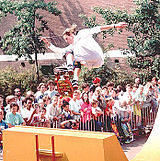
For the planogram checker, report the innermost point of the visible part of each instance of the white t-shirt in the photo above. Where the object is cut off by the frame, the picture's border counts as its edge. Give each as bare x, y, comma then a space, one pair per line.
85, 48
27, 113
95, 110
75, 106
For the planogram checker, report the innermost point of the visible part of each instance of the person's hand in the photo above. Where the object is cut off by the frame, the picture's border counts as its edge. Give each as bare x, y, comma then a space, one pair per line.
121, 25
44, 39
55, 118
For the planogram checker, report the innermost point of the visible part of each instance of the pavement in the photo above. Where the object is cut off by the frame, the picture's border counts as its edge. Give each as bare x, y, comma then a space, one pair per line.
134, 147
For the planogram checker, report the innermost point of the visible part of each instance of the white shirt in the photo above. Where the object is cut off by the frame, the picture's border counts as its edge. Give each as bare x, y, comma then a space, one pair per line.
95, 110
27, 113
85, 48
75, 106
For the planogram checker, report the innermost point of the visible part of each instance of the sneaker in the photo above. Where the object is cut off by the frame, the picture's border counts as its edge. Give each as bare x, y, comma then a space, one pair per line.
75, 84
127, 141
70, 69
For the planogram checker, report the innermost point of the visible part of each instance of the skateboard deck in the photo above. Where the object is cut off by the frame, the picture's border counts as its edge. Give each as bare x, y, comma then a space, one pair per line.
63, 82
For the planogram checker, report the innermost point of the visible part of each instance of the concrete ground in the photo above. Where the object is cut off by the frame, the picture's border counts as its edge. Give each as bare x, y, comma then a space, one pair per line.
135, 147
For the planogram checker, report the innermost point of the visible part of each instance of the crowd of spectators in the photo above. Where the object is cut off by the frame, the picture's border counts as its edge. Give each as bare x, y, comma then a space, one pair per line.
94, 108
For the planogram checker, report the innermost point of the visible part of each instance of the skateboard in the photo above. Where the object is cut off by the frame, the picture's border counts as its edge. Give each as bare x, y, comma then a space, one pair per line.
115, 129
63, 82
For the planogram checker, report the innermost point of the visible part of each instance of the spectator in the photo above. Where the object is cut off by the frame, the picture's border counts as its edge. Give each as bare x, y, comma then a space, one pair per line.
53, 112
137, 81
139, 99
51, 89
31, 95
28, 112
125, 121
41, 90
18, 97
85, 87
74, 106
66, 112
110, 86
158, 91
97, 112
3, 125
96, 83
43, 121
119, 92
9, 100
14, 118
70, 124
46, 101
151, 96
86, 111
1, 105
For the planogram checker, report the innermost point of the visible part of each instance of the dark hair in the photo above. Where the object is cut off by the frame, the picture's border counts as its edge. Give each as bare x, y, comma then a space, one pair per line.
87, 97
94, 102
1, 96
110, 84
44, 109
13, 104
65, 103
84, 85
28, 98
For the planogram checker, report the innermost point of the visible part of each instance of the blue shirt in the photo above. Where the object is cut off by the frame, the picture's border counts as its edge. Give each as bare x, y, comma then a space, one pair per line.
14, 119
3, 125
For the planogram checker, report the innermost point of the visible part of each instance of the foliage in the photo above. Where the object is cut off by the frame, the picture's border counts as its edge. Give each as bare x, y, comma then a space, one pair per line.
144, 27
23, 38
106, 74
24, 79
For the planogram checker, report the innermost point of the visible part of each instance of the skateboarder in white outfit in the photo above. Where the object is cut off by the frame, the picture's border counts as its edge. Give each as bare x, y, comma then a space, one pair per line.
82, 49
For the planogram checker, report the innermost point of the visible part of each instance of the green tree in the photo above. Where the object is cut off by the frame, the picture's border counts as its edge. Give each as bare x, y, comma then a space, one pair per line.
106, 74
144, 27
23, 38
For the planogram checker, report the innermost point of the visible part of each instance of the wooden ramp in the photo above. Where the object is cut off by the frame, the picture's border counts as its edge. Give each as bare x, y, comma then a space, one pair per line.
19, 144
151, 149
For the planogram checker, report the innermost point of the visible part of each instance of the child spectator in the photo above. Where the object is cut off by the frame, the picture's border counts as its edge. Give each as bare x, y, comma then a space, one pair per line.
74, 106
66, 112
86, 111
43, 121
97, 112
125, 120
53, 112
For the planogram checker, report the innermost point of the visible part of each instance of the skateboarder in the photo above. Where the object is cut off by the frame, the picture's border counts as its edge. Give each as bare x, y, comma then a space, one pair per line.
82, 49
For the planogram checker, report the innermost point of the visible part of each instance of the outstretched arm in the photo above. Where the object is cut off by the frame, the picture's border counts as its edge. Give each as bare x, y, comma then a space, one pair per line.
52, 47
118, 26
44, 39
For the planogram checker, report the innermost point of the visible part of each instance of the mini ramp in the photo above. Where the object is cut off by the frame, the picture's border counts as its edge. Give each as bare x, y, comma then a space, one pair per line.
151, 149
